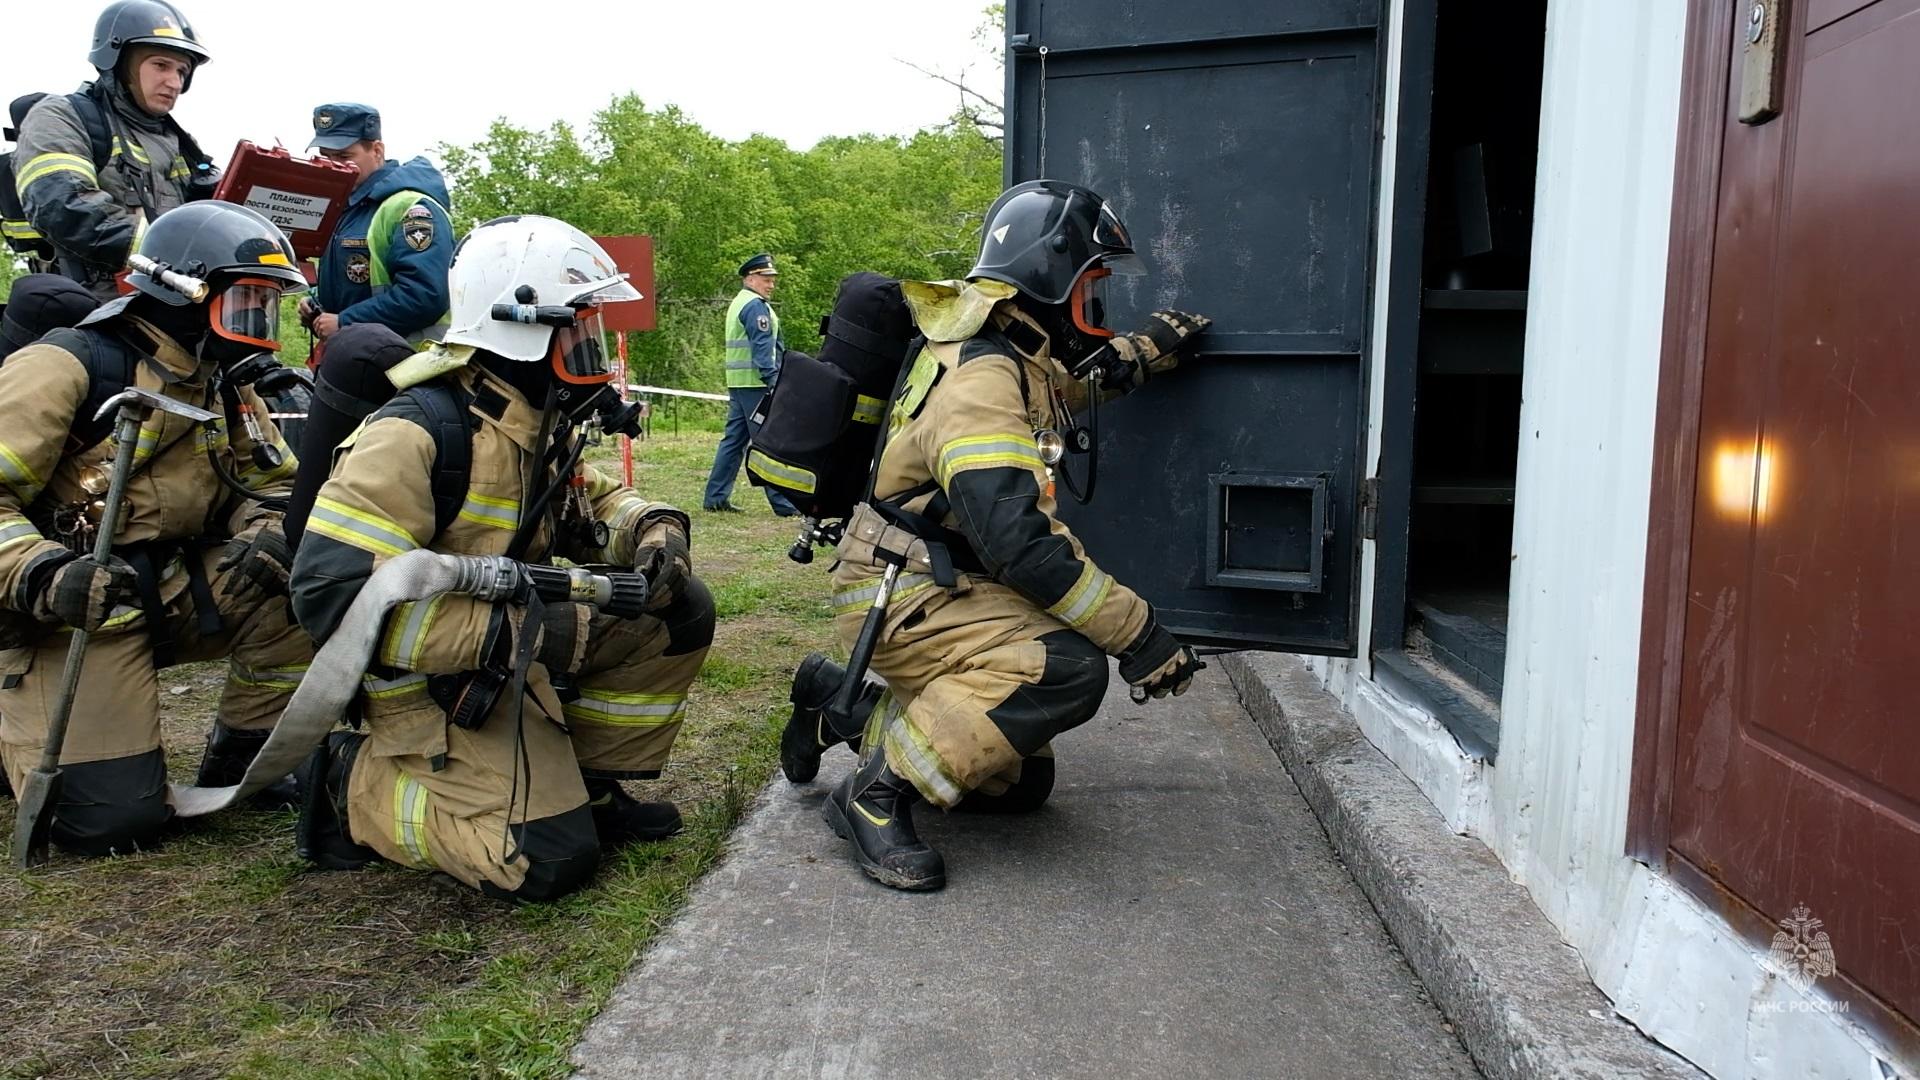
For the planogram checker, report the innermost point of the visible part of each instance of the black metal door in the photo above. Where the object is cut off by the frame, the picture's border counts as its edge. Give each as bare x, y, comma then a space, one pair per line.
1236, 141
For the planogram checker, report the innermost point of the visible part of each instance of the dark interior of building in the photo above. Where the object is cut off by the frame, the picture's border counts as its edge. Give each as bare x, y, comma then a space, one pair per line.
1488, 68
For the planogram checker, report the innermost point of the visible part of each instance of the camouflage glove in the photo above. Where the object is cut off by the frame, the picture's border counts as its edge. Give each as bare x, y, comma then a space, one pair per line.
563, 637
1157, 664
662, 553
261, 563
81, 593
1155, 349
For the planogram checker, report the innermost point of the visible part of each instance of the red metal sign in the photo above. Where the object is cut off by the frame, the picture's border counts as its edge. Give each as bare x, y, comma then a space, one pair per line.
634, 254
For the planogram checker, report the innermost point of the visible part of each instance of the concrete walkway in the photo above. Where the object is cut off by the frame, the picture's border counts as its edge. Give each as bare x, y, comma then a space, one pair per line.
1174, 911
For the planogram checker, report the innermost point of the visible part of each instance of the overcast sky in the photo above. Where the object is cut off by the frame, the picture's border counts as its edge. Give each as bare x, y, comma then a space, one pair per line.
442, 72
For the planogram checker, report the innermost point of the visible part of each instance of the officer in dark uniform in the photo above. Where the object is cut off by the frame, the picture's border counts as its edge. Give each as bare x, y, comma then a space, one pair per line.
387, 260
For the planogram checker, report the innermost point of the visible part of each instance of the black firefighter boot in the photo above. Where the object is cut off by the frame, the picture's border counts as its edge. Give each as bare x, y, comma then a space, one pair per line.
229, 752
873, 807
620, 818
811, 730
321, 834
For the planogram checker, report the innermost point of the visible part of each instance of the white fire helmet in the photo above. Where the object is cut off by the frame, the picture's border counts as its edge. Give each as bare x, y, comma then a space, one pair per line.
510, 277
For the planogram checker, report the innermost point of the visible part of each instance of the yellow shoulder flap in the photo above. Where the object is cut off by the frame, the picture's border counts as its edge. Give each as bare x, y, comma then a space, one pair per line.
430, 363
953, 310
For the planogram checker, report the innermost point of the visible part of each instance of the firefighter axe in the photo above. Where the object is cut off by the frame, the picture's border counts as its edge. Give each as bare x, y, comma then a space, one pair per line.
33, 823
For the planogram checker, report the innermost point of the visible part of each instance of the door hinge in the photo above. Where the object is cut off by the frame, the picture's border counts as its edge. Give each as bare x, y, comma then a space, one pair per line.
1369, 507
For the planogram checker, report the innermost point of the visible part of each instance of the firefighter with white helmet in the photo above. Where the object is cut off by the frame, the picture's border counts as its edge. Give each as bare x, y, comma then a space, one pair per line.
494, 740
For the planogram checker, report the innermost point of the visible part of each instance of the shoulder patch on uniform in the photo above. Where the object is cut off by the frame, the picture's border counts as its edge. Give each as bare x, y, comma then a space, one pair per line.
763, 323
417, 210
417, 232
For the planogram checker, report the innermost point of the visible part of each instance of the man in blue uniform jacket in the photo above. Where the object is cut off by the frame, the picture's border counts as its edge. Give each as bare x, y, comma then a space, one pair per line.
387, 260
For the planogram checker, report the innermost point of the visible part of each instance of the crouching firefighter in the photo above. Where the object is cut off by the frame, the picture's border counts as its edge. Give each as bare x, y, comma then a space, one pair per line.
989, 624
198, 568
494, 736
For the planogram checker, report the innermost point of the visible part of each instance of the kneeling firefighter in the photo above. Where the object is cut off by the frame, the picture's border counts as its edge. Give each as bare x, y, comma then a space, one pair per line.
495, 735
198, 567
999, 627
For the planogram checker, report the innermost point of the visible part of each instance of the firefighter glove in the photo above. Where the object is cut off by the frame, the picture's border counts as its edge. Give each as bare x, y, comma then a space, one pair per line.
1157, 663
661, 553
1154, 349
258, 564
563, 637
81, 592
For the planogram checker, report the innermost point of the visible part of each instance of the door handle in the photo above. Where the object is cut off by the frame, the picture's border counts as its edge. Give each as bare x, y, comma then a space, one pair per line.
1762, 64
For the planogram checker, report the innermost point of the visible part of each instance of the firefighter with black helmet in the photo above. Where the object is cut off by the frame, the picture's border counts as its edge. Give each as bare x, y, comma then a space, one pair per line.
94, 168
199, 568
496, 736
997, 641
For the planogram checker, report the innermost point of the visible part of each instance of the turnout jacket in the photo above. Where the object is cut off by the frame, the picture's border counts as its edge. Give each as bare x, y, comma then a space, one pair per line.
378, 503
174, 493
93, 216
962, 453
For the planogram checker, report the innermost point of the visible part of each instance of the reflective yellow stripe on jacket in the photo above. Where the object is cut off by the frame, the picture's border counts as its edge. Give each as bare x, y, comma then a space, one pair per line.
42, 166
359, 528
988, 451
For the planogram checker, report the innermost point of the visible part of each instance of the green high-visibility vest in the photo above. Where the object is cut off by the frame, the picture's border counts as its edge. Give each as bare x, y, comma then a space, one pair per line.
740, 369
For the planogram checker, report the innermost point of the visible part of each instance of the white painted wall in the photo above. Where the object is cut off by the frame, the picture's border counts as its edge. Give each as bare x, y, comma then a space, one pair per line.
1554, 808
1595, 305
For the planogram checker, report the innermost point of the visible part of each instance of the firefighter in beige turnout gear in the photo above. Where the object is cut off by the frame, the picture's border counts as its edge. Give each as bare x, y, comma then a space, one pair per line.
199, 569
981, 674
517, 800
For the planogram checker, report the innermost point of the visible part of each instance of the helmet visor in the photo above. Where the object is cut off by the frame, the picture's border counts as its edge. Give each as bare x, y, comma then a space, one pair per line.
1109, 233
580, 350
248, 311
1088, 302
589, 278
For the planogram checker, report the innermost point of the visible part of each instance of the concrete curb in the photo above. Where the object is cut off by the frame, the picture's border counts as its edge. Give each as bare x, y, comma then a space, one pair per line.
1520, 998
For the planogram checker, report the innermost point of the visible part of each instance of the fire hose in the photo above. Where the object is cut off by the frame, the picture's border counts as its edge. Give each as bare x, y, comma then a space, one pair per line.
334, 676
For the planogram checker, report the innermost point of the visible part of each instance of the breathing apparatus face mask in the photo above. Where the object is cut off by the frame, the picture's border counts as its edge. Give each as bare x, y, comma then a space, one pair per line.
578, 359
579, 353
244, 328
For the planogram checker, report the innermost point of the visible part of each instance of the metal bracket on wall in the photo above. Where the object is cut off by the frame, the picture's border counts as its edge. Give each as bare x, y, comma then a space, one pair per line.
1369, 507
1763, 34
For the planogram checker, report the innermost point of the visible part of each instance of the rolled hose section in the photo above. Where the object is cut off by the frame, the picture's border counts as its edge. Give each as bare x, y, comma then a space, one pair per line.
334, 676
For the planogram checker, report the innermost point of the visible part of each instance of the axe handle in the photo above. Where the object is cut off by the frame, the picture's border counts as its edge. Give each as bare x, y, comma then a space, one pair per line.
863, 646
127, 438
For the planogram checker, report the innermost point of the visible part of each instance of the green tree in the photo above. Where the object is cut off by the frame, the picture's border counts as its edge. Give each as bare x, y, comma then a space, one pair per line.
909, 207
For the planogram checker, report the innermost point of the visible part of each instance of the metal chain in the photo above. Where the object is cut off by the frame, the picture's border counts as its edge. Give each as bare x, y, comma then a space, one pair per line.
1043, 110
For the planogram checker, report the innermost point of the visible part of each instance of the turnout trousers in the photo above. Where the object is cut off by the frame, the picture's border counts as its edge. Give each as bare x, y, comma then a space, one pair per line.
502, 807
114, 789
976, 683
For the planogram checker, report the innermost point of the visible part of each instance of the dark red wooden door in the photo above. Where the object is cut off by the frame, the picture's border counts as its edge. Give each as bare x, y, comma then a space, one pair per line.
1797, 779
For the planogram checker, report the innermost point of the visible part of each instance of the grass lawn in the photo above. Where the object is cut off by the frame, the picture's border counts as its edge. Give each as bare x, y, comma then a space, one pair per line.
223, 954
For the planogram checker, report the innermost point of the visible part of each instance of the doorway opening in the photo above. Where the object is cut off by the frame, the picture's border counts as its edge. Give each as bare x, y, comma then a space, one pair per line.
1488, 70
